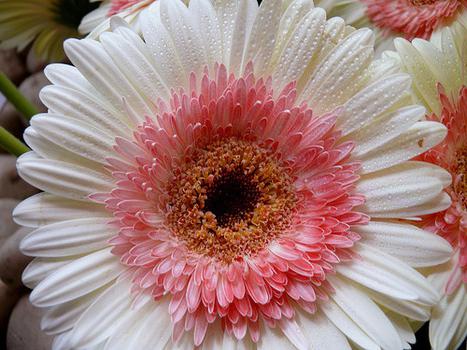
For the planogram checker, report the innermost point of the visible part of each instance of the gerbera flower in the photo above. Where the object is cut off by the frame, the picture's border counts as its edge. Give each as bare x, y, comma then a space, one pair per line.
98, 20
235, 174
438, 70
397, 18
45, 23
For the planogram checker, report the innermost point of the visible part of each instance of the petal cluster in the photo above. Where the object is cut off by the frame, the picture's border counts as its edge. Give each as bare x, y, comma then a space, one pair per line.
412, 19
134, 115
290, 266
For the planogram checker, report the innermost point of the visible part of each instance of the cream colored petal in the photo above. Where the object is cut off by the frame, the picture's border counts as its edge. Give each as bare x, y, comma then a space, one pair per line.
62, 179
408, 243
77, 278
44, 209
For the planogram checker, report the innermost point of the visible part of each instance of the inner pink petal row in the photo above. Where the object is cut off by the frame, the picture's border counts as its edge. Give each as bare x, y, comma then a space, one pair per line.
412, 18
119, 5
290, 270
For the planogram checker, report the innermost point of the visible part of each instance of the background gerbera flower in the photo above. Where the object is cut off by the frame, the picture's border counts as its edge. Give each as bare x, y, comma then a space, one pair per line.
397, 18
235, 173
98, 20
438, 71
45, 23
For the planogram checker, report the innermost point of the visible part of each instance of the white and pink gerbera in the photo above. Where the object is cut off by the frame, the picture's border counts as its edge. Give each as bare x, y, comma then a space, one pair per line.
409, 19
440, 82
231, 180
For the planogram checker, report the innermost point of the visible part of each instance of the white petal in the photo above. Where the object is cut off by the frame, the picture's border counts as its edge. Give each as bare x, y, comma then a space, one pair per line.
403, 186
366, 314
261, 42
461, 333
385, 274
40, 268
75, 136
82, 106
43, 209
346, 58
372, 101
208, 24
246, 13
100, 70
129, 332
294, 333
231, 343
403, 328
104, 315
77, 278
415, 65
63, 317
453, 51
449, 315
439, 203
320, 332
384, 66
439, 275
214, 337
408, 243
417, 139
343, 77
133, 58
273, 339
167, 62
300, 48
384, 129
408, 308
153, 330
60, 341
66, 238
226, 15
292, 16
67, 76
62, 179
48, 150
184, 33
347, 325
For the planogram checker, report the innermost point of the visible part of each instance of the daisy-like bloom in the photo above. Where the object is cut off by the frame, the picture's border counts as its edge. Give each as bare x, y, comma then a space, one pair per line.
397, 18
45, 23
98, 20
438, 70
231, 180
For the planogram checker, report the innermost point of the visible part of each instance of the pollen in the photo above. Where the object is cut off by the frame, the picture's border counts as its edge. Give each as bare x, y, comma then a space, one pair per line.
422, 2
460, 182
230, 200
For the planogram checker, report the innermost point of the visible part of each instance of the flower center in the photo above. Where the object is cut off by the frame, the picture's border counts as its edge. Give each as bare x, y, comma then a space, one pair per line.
460, 182
230, 200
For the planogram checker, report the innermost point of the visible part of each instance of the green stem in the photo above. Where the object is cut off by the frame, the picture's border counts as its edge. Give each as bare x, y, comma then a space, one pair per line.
11, 144
17, 99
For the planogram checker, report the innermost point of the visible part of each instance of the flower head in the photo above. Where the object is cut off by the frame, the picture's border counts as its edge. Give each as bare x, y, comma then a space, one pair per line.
409, 19
45, 23
440, 83
232, 173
